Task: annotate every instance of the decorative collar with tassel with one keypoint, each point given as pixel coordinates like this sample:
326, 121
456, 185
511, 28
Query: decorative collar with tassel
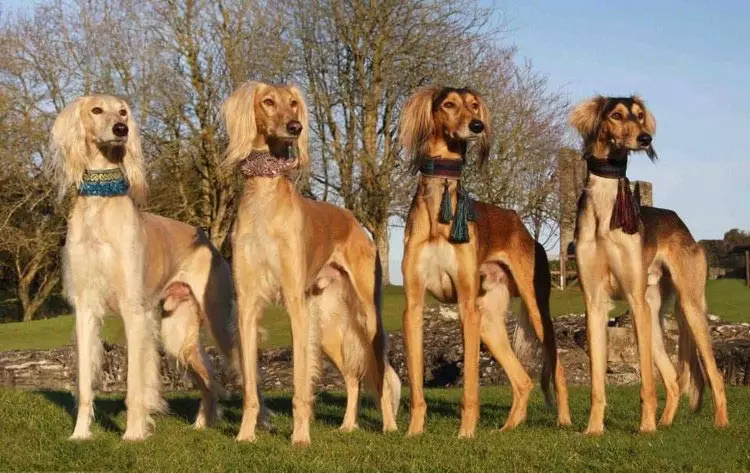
450, 170
264, 164
103, 183
626, 214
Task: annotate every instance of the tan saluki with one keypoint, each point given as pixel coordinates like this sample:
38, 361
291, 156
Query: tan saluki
499, 260
644, 255
160, 275
314, 254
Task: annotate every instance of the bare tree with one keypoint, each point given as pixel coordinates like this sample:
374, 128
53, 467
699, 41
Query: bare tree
358, 61
176, 60
528, 123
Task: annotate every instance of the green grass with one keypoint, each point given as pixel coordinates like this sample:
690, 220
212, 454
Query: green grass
35, 426
728, 298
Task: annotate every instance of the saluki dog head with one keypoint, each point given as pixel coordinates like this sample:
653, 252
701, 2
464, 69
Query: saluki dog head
96, 132
269, 117
436, 115
610, 124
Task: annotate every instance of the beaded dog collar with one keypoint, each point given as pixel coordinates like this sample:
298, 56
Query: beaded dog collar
104, 183
264, 164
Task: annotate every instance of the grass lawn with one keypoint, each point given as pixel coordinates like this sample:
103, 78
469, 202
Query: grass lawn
35, 426
727, 298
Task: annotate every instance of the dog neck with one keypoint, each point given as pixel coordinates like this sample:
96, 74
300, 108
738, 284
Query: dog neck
445, 171
263, 164
103, 183
609, 186
611, 167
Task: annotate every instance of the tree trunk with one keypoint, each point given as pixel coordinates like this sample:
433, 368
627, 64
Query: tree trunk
381, 240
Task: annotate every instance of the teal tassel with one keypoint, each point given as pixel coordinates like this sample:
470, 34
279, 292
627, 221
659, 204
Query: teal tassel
464, 214
445, 205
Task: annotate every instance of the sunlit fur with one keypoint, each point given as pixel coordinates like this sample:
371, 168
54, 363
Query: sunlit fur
425, 122
80, 139
612, 125
647, 269
500, 261
315, 256
119, 259
249, 131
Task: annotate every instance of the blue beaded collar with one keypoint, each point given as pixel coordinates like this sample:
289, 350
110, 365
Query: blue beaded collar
104, 183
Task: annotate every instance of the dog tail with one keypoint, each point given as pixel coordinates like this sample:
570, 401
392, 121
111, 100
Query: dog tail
525, 341
389, 376
690, 375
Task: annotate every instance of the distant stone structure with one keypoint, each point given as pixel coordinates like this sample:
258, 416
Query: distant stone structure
571, 173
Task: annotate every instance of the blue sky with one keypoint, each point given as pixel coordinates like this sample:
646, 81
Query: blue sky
689, 59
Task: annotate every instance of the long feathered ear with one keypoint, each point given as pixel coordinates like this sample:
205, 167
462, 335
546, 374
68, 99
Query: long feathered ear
586, 116
485, 141
238, 112
649, 124
132, 163
302, 141
416, 124
68, 152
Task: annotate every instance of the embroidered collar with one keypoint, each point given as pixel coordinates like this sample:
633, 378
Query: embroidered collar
441, 167
610, 168
103, 183
264, 164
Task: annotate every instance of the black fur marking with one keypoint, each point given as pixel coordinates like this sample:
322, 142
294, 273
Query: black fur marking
445, 91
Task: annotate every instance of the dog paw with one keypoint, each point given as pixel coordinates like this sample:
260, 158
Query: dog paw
80, 436
349, 427
245, 437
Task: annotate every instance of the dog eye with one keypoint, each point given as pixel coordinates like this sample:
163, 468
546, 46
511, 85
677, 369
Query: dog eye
616, 116
268, 102
123, 112
96, 110
475, 106
449, 104
293, 103
640, 115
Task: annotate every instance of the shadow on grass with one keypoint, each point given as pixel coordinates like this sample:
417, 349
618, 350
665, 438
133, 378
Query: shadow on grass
329, 410
105, 410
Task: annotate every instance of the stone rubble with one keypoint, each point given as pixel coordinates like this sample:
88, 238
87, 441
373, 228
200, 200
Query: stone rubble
443, 356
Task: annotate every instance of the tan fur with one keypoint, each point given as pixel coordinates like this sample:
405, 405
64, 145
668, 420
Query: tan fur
117, 258
313, 254
646, 269
501, 260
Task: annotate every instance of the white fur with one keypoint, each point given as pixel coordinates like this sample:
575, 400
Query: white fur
113, 262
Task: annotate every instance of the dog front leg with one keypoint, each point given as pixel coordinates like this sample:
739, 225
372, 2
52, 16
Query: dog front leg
249, 309
627, 265
414, 288
467, 288
88, 360
303, 369
143, 398
592, 269
304, 345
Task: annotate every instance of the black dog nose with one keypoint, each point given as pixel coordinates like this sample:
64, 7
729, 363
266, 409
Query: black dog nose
644, 139
476, 126
120, 129
294, 127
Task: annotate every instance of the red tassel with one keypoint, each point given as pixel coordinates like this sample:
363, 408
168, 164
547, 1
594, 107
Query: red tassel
626, 214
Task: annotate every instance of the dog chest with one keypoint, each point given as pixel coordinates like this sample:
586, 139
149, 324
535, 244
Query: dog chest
438, 267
